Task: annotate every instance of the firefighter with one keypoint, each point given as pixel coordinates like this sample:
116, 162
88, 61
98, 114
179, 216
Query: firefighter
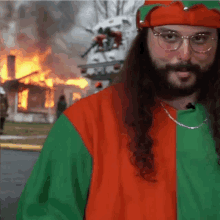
110, 39
3, 108
100, 40
98, 87
113, 37
117, 38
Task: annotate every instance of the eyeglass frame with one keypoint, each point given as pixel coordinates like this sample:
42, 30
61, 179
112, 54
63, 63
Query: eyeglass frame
157, 34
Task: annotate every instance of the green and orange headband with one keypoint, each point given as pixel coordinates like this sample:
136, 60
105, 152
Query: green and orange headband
194, 13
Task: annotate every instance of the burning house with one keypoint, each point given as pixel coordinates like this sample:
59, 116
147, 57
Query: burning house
33, 95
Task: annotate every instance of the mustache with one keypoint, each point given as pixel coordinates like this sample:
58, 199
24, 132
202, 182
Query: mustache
183, 68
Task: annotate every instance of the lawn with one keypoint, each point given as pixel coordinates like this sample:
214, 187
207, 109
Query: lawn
26, 129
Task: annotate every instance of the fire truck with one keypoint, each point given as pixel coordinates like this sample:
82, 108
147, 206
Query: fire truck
110, 43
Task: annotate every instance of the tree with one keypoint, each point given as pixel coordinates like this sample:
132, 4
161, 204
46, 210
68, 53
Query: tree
120, 7
134, 7
107, 9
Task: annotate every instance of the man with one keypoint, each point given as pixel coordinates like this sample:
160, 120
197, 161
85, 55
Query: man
117, 39
3, 108
134, 150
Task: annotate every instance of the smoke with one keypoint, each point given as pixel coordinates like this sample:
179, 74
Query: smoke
39, 25
9, 10
50, 18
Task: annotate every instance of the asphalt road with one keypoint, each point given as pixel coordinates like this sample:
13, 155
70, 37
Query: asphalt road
16, 167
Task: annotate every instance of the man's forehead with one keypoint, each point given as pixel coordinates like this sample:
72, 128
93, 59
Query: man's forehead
185, 29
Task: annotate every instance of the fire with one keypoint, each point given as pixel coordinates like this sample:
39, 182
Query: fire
58, 81
28, 70
49, 82
81, 82
49, 102
4, 72
26, 65
23, 65
76, 96
36, 78
22, 99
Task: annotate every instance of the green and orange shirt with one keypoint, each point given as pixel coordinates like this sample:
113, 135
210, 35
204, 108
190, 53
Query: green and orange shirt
84, 170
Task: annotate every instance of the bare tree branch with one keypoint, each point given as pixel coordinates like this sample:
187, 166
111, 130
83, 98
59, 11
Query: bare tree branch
113, 4
96, 12
135, 6
132, 10
122, 7
118, 8
100, 8
106, 8
111, 11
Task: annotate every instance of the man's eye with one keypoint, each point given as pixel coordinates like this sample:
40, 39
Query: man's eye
200, 39
170, 37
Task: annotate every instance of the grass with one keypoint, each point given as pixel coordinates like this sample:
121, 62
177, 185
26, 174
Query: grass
26, 129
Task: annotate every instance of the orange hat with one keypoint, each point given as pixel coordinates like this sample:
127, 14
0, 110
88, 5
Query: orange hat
195, 13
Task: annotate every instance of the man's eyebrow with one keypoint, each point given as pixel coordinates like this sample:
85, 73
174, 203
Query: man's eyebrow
199, 32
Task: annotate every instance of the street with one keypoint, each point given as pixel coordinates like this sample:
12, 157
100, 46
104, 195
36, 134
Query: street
16, 167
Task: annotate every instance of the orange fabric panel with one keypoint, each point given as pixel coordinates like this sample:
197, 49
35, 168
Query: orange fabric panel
116, 193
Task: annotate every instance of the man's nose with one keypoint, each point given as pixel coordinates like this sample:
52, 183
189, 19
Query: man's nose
185, 50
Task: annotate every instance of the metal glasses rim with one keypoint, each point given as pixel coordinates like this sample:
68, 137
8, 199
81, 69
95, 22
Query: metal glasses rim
157, 34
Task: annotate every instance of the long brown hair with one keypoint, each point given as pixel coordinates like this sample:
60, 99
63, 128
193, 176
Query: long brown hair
138, 117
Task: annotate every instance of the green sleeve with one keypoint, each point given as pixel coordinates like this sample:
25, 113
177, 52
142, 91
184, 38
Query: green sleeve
58, 185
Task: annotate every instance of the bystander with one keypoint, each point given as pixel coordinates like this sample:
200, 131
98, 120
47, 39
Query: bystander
3, 108
61, 106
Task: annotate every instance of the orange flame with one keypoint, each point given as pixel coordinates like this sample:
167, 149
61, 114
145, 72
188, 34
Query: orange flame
22, 99
58, 81
49, 82
49, 102
81, 82
76, 96
28, 70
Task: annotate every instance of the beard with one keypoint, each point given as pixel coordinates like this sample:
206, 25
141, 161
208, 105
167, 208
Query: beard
169, 89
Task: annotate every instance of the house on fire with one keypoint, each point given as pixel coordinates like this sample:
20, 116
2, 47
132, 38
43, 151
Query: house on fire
34, 97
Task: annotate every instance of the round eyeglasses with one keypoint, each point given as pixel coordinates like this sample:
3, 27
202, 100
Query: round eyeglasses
172, 40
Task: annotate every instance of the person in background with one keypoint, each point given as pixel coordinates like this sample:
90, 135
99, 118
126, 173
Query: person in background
3, 109
98, 87
113, 37
61, 105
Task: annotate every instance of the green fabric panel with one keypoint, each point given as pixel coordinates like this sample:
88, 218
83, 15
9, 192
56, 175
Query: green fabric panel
208, 4
198, 172
60, 179
144, 10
